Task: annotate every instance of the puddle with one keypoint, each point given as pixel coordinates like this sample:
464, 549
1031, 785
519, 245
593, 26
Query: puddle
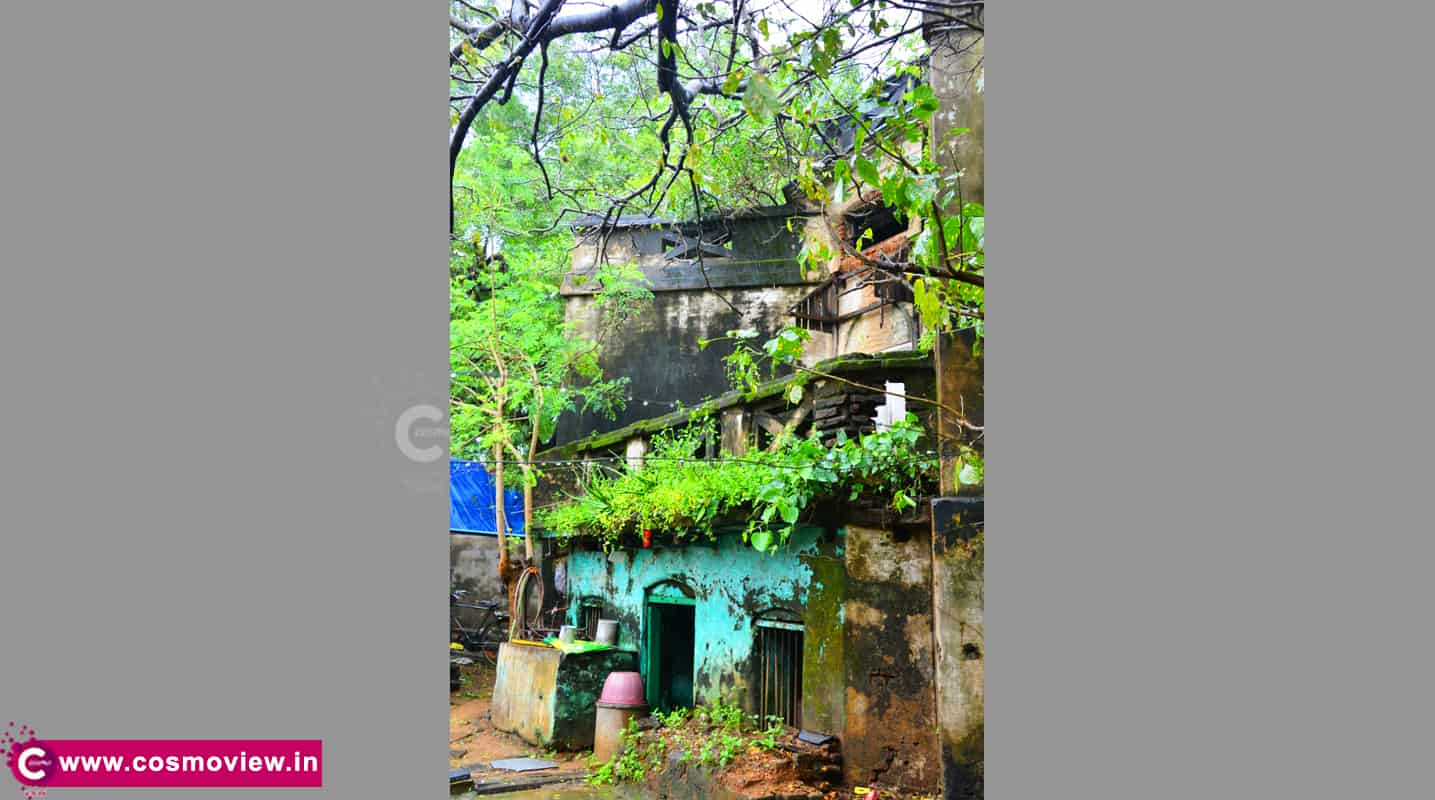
564, 792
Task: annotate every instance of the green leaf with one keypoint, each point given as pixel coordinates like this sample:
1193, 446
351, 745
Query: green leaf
761, 24
926, 301
794, 394
730, 84
902, 502
867, 171
924, 102
760, 99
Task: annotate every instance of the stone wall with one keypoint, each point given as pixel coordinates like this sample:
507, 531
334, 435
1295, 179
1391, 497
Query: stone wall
473, 565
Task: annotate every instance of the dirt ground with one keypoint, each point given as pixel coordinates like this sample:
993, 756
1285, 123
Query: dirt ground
473, 742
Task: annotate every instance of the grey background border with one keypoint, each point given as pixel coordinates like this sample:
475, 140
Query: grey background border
224, 277
1208, 389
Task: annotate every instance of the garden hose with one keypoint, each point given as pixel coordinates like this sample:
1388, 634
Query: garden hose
520, 589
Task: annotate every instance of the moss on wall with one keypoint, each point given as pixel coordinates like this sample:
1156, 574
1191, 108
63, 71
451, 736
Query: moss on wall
824, 674
891, 723
733, 584
959, 550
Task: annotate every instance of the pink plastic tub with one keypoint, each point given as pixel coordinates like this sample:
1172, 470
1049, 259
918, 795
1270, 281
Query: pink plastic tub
623, 688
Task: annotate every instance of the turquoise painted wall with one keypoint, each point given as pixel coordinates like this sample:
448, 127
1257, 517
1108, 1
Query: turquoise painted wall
732, 582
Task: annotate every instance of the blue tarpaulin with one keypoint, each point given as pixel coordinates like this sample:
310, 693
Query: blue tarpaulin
470, 501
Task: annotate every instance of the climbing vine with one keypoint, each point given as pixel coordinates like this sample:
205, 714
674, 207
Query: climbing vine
681, 494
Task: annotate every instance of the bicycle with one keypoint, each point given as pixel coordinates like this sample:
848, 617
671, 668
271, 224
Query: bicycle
482, 638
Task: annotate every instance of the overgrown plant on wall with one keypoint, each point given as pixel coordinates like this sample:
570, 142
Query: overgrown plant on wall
748, 366
685, 496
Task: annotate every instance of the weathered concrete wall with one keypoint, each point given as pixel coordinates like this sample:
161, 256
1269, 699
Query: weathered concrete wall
753, 249
658, 350
891, 730
523, 691
957, 601
879, 330
866, 598
824, 673
957, 81
733, 584
888, 329
549, 699
473, 565
960, 386
580, 682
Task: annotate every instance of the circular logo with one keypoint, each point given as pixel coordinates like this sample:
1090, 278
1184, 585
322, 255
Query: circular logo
33, 763
404, 434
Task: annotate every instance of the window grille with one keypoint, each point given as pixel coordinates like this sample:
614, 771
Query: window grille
779, 664
592, 611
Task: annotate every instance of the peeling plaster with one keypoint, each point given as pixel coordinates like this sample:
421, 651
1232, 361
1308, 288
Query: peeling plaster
733, 583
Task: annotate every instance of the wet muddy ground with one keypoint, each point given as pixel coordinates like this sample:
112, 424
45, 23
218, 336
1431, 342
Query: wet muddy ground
568, 792
474, 743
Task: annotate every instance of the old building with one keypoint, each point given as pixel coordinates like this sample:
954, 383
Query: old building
835, 632
867, 625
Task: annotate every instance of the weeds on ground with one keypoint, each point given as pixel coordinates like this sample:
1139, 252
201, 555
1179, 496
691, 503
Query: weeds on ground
633, 763
710, 736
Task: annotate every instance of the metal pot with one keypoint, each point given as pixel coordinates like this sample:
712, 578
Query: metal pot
607, 632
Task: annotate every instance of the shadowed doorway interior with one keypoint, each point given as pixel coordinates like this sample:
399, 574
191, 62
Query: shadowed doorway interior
668, 654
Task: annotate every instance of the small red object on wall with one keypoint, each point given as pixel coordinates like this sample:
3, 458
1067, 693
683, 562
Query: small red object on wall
647, 538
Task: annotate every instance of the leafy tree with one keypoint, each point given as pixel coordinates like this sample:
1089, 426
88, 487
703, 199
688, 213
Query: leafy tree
564, 109
722, 92
515, 369
685, 108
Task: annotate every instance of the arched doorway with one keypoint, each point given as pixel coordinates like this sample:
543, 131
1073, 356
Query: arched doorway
669, 644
